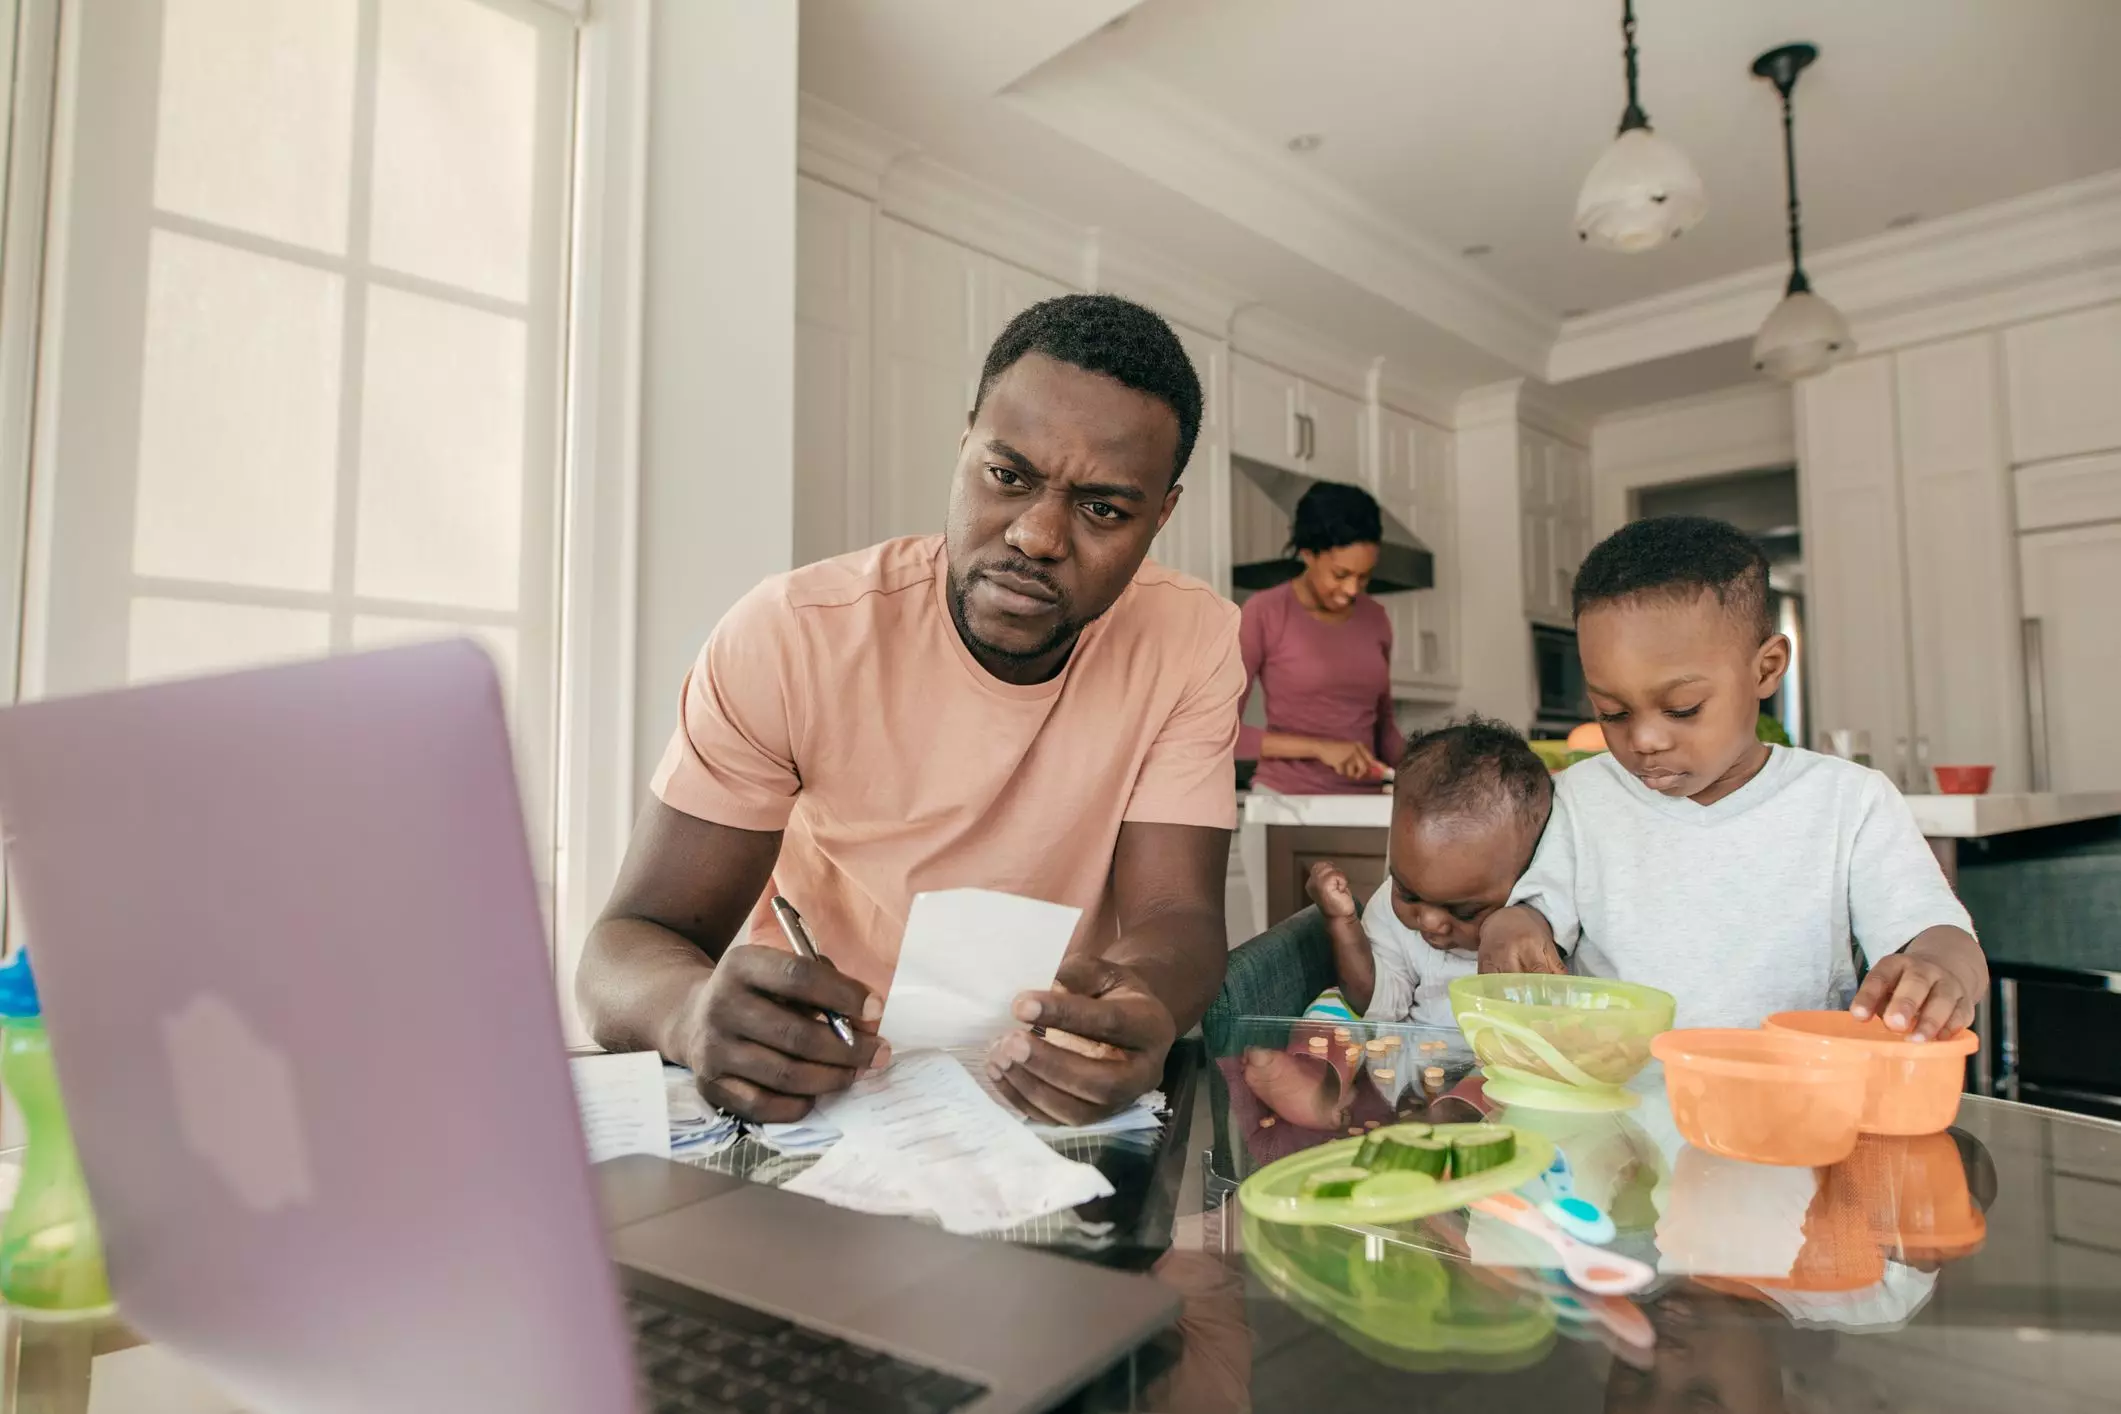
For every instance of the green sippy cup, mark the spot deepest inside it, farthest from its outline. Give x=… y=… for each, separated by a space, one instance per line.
x=51 y=1255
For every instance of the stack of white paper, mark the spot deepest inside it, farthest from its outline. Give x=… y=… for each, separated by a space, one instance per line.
x=921 y=1136
x=622 y=1102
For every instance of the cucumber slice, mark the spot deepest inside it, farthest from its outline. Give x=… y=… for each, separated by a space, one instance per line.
x=1392 y=1186
x=1374 y=1142
x=1487 y=1146
x=1416 y=1154
x=1336 y=1182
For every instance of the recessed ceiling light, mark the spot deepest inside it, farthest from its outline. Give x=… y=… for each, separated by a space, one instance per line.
x=1902 y=222
x=1306 y=142
x=1574 y=313
x=1476 y=251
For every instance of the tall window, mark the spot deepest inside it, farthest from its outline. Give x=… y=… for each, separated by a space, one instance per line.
x=306 y=347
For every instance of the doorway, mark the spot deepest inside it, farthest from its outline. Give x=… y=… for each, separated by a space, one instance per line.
x=1763 y=504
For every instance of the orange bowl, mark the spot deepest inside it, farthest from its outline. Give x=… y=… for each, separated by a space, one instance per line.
x=1914 y=1085
x=1963 y=780
x=1768 y=1097
x=1916 y=1197
x=1587 y=736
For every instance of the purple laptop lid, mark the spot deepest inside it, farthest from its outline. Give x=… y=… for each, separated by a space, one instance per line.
x=297 y=982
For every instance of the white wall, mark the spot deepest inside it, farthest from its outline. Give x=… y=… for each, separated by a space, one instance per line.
x=1495 y=641
x=717 y=500
x=1745 y=428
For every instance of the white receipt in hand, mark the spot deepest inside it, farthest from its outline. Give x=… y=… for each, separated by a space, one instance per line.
x=966 y=955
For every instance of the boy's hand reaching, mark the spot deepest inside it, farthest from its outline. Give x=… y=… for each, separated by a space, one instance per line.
x=1518 y=939
x=1328 y=888
x=1929 y=988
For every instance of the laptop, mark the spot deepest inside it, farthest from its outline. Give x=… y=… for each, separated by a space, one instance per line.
x=296 y=979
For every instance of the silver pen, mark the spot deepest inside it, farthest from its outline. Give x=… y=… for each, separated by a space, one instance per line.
x=799 y=938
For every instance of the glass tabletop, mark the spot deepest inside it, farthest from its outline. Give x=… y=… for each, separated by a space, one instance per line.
x=1978 y=1269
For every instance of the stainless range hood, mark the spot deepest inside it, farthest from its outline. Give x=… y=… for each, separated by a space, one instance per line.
x=1403 y=562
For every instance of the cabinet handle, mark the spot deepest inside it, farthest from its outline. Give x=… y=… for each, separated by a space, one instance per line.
x=1429 y=651
x=2036 y=702
x=1900 y=762
x=1307 y=439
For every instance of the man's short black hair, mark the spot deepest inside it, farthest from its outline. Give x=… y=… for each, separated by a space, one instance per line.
x=1332 y=514
x=1680 y=558
x=1475 y=766
x=1109 y=335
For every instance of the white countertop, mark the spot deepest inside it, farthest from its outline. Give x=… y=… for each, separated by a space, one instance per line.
x=1963 y=817
x=1971 y=817
x=1266 y=807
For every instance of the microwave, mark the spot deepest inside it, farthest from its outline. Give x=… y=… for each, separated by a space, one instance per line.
x=1559 y=672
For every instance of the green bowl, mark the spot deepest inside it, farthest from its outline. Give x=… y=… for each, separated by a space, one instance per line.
x=1563 y=1034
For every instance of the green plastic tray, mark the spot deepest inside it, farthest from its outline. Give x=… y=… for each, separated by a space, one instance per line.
x=1275 y=1193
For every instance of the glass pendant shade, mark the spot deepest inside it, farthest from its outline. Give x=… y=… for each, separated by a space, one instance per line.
x=1801 y=337
x=1641 y=193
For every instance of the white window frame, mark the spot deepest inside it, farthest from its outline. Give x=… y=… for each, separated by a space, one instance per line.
x=593 y=788
x=595 y=791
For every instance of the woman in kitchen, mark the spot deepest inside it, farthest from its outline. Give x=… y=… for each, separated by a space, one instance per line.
x=1321 y=651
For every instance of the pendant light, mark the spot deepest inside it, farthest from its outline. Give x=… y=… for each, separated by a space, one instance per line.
x=1642 y=191
x=1804 y=333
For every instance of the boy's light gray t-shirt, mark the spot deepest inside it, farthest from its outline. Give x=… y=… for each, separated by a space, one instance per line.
x=1742 y=908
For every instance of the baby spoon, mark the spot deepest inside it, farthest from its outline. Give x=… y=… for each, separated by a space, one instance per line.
x=1592 y=1268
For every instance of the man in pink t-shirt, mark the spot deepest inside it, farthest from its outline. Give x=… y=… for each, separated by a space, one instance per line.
x=1020 y=703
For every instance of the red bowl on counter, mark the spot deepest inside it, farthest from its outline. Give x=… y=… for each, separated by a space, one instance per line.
x=1963 y=780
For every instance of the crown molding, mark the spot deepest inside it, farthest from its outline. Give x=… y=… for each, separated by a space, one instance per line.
x=1272 y=337
x=1117 y=110
x=1488 y=405
x=1537 y=409
x=1993 y=309
x=1745 y=427
x=945 y=202
x=1179 y=292
x=838 y=148
x=1391 y=388
x=2002 y=262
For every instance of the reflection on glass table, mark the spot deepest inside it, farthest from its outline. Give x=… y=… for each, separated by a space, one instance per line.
x=1974 y=1269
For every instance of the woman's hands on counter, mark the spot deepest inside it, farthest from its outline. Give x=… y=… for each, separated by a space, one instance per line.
x=1350 y=759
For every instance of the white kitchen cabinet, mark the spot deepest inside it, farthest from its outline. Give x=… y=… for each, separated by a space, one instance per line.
x=1003 y=292
x=2065 y=384
x=2068 y=579
x=1263 y=408
x=2073 y=491
x=1856 y=585
x=1410 y=474
x=1333 y=429
x=927 y=301
x=1962 y=587
x=1284 y=420
x=1198 y=538
x=938 y=307
x=1554 y=489
x=833 y=263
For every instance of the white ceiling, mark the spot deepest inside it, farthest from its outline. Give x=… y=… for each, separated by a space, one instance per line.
x=1449 y=123
x=1474 y=123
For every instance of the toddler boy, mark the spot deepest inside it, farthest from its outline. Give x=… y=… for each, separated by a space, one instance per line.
x=1696 y=858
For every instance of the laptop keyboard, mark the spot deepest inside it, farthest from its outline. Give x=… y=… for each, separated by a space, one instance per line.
x=714 y=1355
